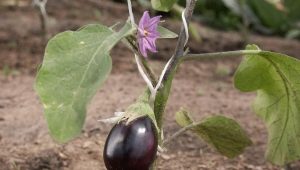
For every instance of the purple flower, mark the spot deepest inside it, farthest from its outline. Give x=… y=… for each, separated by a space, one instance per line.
x=147 y=33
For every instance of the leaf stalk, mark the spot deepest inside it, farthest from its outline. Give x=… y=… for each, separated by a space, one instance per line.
x=219 y=55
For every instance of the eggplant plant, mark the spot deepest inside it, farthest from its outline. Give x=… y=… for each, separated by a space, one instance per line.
x=76 y=63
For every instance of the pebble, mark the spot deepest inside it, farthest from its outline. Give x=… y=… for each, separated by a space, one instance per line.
x=87 y=144
x=167 y=157
x=62 y=155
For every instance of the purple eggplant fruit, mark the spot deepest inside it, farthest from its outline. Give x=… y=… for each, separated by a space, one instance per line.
x=131 y=146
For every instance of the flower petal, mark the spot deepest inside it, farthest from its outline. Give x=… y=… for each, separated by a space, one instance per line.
x=147 y=33
x=144 y=20
x=154 y=34
x=153 y=21
x=142 y=47
x=150 y=44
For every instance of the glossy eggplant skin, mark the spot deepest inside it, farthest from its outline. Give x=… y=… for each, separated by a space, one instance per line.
x=132 y=146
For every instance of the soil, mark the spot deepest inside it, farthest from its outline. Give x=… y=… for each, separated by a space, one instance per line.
x=204 y=88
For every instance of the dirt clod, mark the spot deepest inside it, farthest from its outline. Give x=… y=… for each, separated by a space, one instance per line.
x=46 y=160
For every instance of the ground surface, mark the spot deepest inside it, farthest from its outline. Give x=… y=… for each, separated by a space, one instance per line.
x=204 y=88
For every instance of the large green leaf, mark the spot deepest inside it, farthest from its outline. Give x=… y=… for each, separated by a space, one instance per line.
x=224 y=134
x=75 y=65
x=276 y=78
x=163 y=5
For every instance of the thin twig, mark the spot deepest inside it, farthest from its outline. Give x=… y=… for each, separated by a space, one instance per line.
x=178 y=133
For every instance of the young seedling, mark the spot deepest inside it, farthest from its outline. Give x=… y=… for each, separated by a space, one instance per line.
x=76 y=63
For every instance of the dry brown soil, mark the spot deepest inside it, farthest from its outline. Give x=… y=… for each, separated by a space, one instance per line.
x=204 y=88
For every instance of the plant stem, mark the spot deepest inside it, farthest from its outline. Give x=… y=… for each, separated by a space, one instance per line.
x=130 y=12
x=41 y=7
x=244 y=28
x=163 y=91
x=181 y=40
x=219 y=54
x=148 y=69
x=178 y=133
x=146 y=66
x=138 y=56
x=144 y=75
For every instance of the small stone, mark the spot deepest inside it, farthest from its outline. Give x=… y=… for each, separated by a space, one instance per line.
x=65 y=163
x=165 y=157
x=87 y=144
x=62 y=155
x=86 y=135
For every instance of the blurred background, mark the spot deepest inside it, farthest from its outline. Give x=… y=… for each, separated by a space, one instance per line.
x=204 y=88
x=24 y=32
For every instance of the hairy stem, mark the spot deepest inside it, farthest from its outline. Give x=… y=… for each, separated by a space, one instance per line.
x=164 y=89
x=219 y=55
x=149 y=71
x=178 y=133
x=144 y=75
x=151 y=83
x=130 y=12
x=245 y=26
x=41 y=6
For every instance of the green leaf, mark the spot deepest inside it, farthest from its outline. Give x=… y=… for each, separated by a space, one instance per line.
x=75 y=65
x=293 y=34
x=166 y=33
x=269 y=15
x=193 y=29
x=161 y=98
x=141 y=108
x=222 y=133
x=276 y=78
x=293 y=8
x=162 y=5
x=183 y=118
x=235 y=6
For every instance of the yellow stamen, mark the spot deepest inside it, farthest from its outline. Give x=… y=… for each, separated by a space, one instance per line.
x=146 y=32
